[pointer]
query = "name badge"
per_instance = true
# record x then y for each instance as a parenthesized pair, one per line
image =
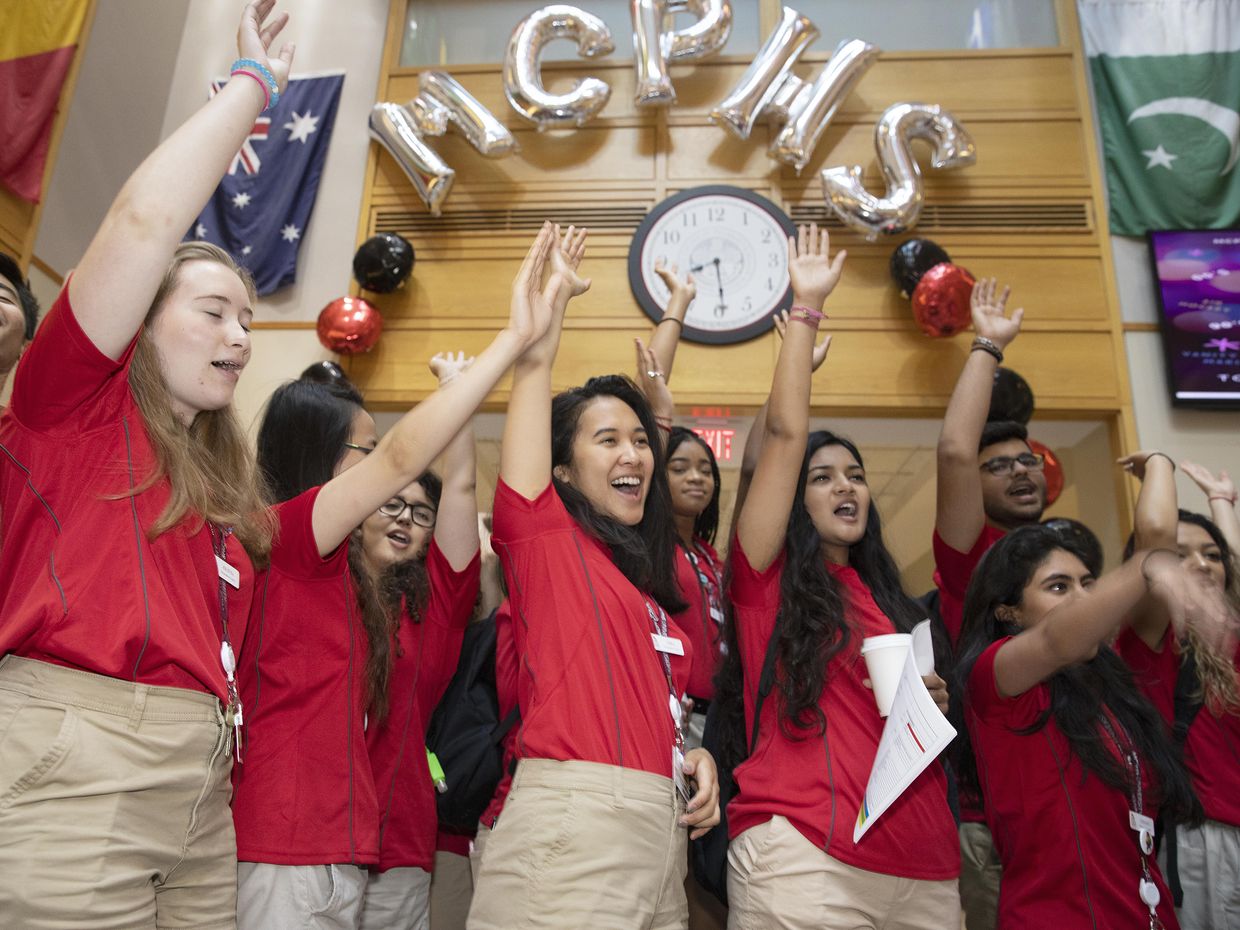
(1140, 823)
(669, 644)
(228, 572)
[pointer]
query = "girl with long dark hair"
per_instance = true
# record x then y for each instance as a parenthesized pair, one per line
(1072, 761)
(593, 832)
(318, 656)
(808, 567)
(1195, 685)
(132, 525)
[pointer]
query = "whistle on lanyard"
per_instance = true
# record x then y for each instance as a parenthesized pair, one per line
(437, 774)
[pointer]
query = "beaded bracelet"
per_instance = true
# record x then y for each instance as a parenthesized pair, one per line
(989, 346)
(261, 83)
(242, 64)
(807, 315)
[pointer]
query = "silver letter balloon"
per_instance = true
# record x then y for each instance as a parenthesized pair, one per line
(898, 210)
(523, 72)
(394, 127)
(654, 45)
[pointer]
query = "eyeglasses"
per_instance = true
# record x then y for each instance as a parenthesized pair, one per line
(422, 515)
(365, 450)
(1001, 466)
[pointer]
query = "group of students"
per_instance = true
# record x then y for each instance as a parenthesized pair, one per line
(219, 667)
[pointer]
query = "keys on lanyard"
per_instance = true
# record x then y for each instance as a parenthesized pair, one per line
(228, 575)
(665, 646)
(1139, 823)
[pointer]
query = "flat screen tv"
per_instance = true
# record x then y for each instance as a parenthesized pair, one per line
(1199, 292)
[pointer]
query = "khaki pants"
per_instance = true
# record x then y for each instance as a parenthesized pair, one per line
(1209, 864)
(475, 852)
(452, 890)
(584, 845)
(398, 899)
(980, 873)
(778, 880)
(299, 897)
(113, 804)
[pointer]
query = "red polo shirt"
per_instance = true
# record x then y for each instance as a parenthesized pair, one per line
(426, 653)
(303, 792)
(591, 686)
(701, 583)
(818, 783)
(506, 673)
(81, 583)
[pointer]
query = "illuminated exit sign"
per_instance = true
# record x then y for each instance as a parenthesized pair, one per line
(719, 439)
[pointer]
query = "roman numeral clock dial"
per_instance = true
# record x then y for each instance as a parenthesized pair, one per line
(734, 242)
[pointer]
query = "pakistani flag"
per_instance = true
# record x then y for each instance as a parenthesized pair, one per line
(1166, 76)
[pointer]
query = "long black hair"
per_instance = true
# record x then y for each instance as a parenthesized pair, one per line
(1081, 694)
(645, 553)
(812, 623)
(300, 442)
(706, 524)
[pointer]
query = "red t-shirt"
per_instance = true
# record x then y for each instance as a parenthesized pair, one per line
(303, 792)
(426, 655)
(1070, 859)
(591, 686)
(701, 583)
(952, 573)
(1212, 749)
(506, 672)
(81, 583)
(819, 785)
(453, 843)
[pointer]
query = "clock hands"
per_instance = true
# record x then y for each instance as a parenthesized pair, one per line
(722, 307)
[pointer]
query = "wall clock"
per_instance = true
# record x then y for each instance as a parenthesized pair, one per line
(735, 243)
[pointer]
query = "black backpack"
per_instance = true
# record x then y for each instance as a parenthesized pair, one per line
(710, 852)
(466, 734)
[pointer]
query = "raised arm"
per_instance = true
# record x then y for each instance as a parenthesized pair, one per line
(1157, 517)
(666, 334)
(456, 523)
(112, 287)
(764, 518)
(525, 456)
(1221, 496)
(959, 514)
(409, 447)
(1073, 631)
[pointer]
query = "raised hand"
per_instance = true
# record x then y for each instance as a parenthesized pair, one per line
(683, 290)
(820, 349)
(447, 365)
(530, 310)
(990, 319)
(814, 274)
(653, 381)
(1219, 486)
(569, 249)
(1135, 463)
(255, 35)
(1190, 601)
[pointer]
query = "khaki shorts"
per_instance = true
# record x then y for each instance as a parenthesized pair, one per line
(398, 899)
(113, 803)
(452, 890)
(299, 897)
(584, 845)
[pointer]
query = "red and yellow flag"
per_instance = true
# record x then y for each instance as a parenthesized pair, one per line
(37, 42)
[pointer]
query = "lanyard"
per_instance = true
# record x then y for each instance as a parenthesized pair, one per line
(711, 587)
(1142, 825)
(659, 620)
(228, 659)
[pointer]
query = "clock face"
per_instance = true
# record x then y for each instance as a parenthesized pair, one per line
(734, 243)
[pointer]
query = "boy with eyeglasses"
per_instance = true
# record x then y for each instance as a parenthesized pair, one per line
(989, 483)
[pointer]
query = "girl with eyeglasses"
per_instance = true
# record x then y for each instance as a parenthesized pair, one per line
(132, 526)
(1072, 762)
(318, 658)
(808, 569)
(594, 830)
(1195, 684)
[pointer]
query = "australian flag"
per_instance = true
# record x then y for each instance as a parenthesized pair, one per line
(259, 212)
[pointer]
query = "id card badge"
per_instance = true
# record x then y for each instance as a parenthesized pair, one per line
(678, 774)
(668, 644)
(716, 614)
(228, 572)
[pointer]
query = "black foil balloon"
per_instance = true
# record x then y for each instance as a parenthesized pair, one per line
(383, 262)
(911, 260)
(1012, 398)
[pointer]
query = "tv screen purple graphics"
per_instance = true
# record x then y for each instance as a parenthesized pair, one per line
(1199, 286)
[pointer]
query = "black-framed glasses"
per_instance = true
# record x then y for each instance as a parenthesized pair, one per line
(421, 515)
(1003, 465)
(365, 450)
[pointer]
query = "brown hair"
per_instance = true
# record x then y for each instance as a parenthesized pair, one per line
(209, 466)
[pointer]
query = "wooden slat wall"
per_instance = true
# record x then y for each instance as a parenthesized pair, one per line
(1031, 212)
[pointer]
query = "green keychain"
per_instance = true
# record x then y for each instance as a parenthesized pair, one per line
(437, 774)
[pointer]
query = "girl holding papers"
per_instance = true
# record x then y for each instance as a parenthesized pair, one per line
(809, 567)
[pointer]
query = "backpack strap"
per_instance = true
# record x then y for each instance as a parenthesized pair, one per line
(500, 730)
(1187, 706)
(766, 683)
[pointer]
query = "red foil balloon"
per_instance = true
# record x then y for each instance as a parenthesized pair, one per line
(941, 300)
(349, 325)
(1052, 468)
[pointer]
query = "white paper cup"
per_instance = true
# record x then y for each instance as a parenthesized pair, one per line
(884, 661)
